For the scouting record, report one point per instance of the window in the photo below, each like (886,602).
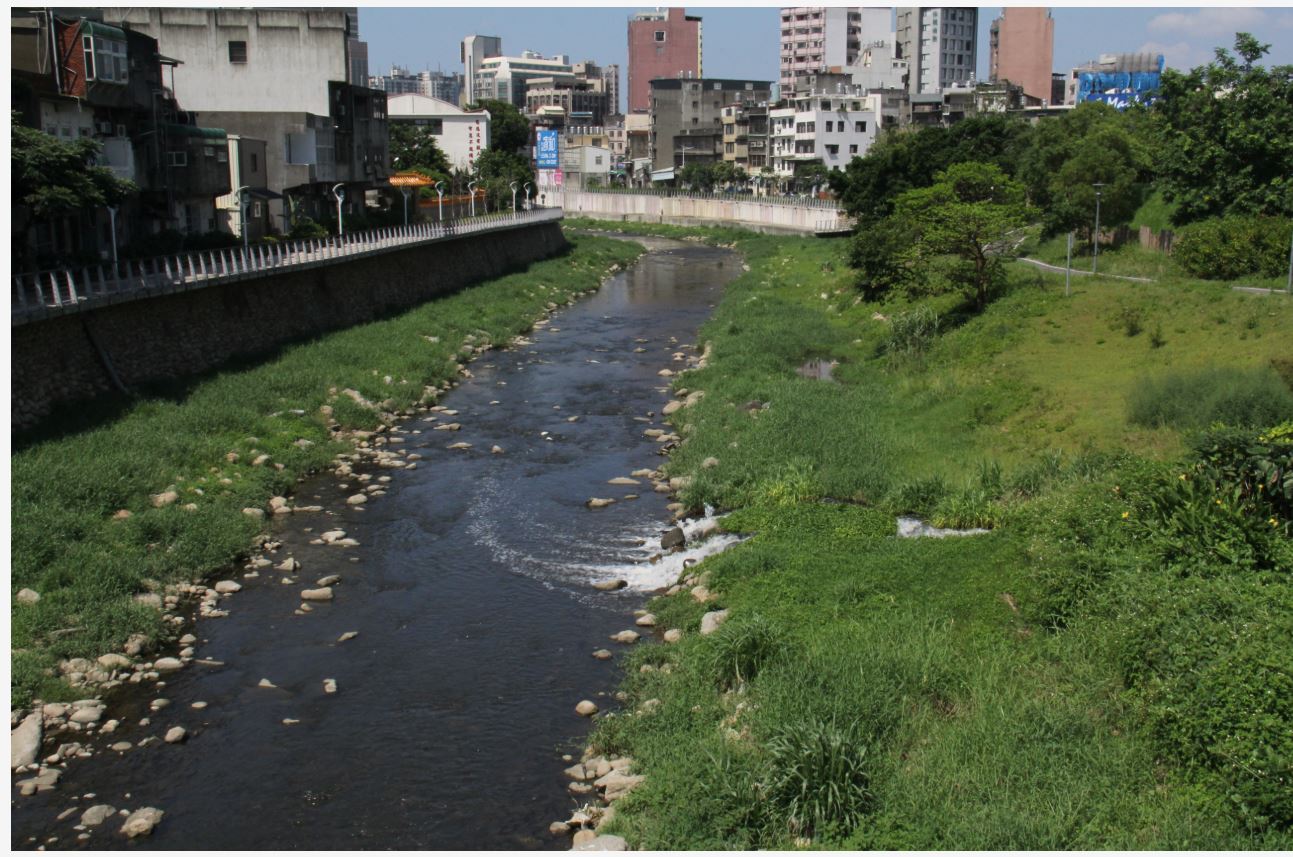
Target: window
(238,52)
(177,159)
(255,209)
(832,149)
(222,155)
(105,59)
(853,148)
(255,162)
(659,35)
(859,127)
(597,161)
(830,126)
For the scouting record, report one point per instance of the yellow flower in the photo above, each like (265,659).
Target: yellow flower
(1126,515)
(1218,501)
(1274,523)
(1182,476)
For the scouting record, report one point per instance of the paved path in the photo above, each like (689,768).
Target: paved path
(1252,290)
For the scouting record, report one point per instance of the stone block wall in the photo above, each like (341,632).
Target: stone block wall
(55,361)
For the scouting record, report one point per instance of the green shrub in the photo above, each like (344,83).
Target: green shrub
(911,333)
(1195,399)
(740,649)
(305,227)
(819,776)
(1225,248)
(917,496)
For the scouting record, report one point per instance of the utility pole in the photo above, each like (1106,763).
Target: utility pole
(1095,242)
(339,191)
(439,192)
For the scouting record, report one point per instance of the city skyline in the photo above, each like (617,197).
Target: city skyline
(742,42)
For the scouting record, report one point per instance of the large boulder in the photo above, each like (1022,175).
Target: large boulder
(24,742)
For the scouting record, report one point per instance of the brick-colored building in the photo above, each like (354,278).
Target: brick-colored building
(662,44)
(1022,48)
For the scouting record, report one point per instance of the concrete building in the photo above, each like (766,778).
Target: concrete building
(565,100)
(611,84)
(1022,46)
(506,78)
(745,136)
(828,127)
(821,38)
(357,50)
(246,170)
(461,134)
(940,46)
(637,148)
(279,75)
(433,84)
(662,44)
(687,117)
(75,77)
(473,51)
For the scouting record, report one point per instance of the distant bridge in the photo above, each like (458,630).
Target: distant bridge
(760,213)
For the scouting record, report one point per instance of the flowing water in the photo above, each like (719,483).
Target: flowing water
(472,601)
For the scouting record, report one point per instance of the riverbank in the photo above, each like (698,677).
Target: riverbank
(1094,672)
(112,508)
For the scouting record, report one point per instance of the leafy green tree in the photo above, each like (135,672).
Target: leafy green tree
(969,213)
(413,148)
(52,177)
(881,252)
(509,130)
(1226,136)
(497,170)
(1110,156)
(727,173)
(698,175)
(811,175)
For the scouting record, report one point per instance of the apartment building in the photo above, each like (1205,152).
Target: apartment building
(827,127)
(473,51)
(745,135)
(686,117)
(278,75)
(662,44)
(940,46)
(432,84)
(505,78)
(1021,50)
(820,38)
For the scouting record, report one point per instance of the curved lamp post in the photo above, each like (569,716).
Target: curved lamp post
(471,189)
(112,220)
(339,191)
(513,186)
(439,192)
(1095,243)
(242,212)
(528,187)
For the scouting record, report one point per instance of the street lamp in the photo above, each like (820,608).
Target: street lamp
(513,186)
(471,189)
(112,221)
(1095,248)
(439,192)
(242,212)
(406,191)
(528,187)
(339,191)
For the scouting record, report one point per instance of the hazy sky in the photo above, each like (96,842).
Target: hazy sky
(742,41)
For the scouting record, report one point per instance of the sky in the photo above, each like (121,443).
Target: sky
(742,41)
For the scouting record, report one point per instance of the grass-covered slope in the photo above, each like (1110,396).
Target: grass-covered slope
(74,475)
(1102,670)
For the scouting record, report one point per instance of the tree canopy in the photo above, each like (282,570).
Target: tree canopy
(414,148)
(1225,136)
(509,130)
(52,176)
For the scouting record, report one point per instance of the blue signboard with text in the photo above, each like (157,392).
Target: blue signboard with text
(545,150)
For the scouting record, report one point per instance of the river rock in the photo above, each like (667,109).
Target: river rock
(86,715)
(227,587)
(356,499)
(159,703)
(165,498)
(265,683)
(709,463)
(329,685)
(349,635)
(27,596)
(167,664)
(622,480)
(673,538)
(626,637)
(576,772)
(459,445)
(558,828)
(496,449)
(176,734)
(323,593)
(583,838)
(702,594)
(288,565)
(332,536)
(673,635)
(24,742)
(114,661)
(602,842)
(253,512)
(671,408)
(710,621)
(122,746)
(603,654)
(610,585)
(645,621)
(586,708)
(97,814)
(142,821)
(599,502)
(618,783)
(329,580)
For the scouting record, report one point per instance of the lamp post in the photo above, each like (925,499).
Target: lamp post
(528,187)
(1095,241)
(439,192)
(242,213)
(471,189)
(405,192)
(339,191)
(513,186)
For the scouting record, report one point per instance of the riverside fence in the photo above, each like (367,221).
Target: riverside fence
(787,214)
(47,293)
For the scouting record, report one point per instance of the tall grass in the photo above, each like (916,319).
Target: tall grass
(1195,399)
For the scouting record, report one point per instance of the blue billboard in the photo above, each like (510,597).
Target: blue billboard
(545,150)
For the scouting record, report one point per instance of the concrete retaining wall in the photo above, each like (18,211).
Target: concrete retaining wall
(681,210)
(56,361)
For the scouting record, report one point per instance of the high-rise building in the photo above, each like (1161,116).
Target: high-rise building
(611,84)
(506,78)
(356,51)
(662,44)
(1021,49)
(819,38)
(473,51)
(940,46)
(687,117)
(433,84)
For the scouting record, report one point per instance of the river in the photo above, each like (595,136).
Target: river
(476,621)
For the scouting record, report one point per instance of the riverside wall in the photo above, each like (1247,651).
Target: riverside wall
(749,212)
(74,357)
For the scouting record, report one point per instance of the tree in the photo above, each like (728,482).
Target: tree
(1109,156)
(509,130)
(698,175)
(53,177)
(728,173)
(1225,136)
(497,170)
(969,212)
(414,148)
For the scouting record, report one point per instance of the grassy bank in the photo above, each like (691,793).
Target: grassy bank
(1102,670)
(71,478)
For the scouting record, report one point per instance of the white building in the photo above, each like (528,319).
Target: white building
(940,44)
(819,38)
(474,51)
(462,135)
(829,128)
(505,78)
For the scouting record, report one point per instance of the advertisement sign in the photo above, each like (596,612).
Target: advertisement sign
(545,150)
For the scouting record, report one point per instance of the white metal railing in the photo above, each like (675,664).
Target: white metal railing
(39,294)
